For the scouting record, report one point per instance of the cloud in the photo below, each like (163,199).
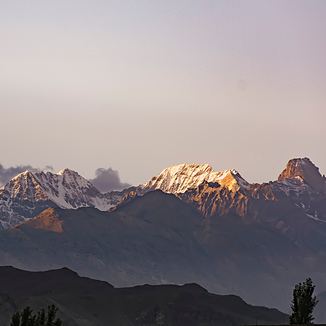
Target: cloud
(8,173)
(108,180)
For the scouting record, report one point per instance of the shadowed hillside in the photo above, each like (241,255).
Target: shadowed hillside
(86,302)
(159,239)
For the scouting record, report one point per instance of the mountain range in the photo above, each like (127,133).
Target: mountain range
(29,193)
(187,224)
(86,302)
(213,193)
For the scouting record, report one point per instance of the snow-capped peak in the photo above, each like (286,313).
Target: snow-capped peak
(182,177)
(66,189)
(29,193)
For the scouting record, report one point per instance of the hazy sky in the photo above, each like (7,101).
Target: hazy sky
(140,85)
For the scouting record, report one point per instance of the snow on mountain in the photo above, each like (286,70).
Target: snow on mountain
(300,185)
(299,175)
(66,189)
(180,178)
(212,192)
(29,193)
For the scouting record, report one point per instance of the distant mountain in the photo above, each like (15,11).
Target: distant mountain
(29,193)
(138,243)
(86,302)
(183,177)
(306,172)
(158,239)
(188,224)
(299,186)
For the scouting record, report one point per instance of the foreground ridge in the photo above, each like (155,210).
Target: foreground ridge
(86,300)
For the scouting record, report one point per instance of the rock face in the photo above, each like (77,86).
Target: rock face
(180,178)
(86,302)
(305,171)
(300,187)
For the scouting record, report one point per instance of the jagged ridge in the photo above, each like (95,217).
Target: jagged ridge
(29,193)
(211,192)
(182,177)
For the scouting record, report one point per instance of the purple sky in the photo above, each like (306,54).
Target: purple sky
(141,85)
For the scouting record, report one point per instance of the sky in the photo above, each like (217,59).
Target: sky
(137,86)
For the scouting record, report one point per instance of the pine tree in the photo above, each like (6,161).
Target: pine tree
(303,303)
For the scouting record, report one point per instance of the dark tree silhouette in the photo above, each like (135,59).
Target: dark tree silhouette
(15,320)
(28,318)
(303,303)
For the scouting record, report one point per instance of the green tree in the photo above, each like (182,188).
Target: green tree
(303,303)
(28,318)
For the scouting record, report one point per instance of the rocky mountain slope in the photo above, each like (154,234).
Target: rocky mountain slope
(212,193)
(86,302)
(158,239)
(180,178)
(188,224)
(300,186)
(29,193)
